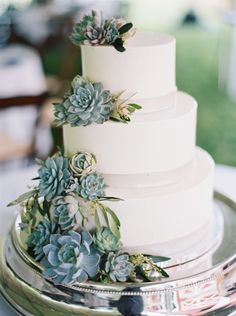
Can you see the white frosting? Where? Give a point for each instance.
(154, 212)
(152, 163)
(147, 67)
(153, 141)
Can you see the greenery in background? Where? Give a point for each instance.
(197, 74)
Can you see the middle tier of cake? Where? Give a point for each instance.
(160, 137)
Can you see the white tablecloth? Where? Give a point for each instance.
(14, 183)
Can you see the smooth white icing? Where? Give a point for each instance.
(152, 142)
(147, 67)
(156, 214)
(152, 162)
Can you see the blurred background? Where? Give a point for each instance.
(37, 60)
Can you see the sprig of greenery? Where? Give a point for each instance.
(105, 217)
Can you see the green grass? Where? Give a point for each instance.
(197, 74)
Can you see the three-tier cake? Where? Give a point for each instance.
(130, 190)
(152, 163)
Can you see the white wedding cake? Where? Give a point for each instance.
(152, 163)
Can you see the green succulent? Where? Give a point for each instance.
(64, 210)
(82, 164)
(86, 103)
(70, 258)
(105, 241)
(91, 186)
(54, 177)
(118, 267)
(40, 237)
(95, 31)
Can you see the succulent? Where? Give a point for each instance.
(70, 258)
(118, 267)
(86, 103)
(110, 32)
(82, 163)
(64, 209)
(61, 113)
(105, 241)
(40, 237)
(94, 30)
(54, 177)
(91, 186)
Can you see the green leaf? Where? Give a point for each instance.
(113, 222)
(163, 273)
(157, 259)
(118, 44)
(97, 219)
(110, 198)
(41, 210)
(135, 106)
(125, 28)
(139, 270)
(39, 162)
(22, 198)
(46, 208)
(100, 217)
(61, 150)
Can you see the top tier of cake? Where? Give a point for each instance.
(160, 136)
(146, 68)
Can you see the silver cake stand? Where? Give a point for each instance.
(212, 291)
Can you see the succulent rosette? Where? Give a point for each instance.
(86, 103)
(91, 186)
(118, 267)
(70, 258)
(82, 164)
(64, 210)
(94, 30)
(105, 241)
(40, 237)
(54, 177)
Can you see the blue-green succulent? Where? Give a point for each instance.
(91, 186)
(105, 241)
(82, 163)
(70, 258)
(54, 177)
(64, 210)
(61, 113)
(40, 237)
(118, 267)
(95, 31)
(86, 103)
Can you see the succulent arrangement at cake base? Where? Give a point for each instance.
(72, 233)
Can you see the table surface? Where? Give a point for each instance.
(14, 183)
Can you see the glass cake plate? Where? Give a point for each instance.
(203, 283)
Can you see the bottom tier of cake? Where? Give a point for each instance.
(161, 209)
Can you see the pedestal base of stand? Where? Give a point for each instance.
(210, 292)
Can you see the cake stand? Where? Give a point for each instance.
(210, 291)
